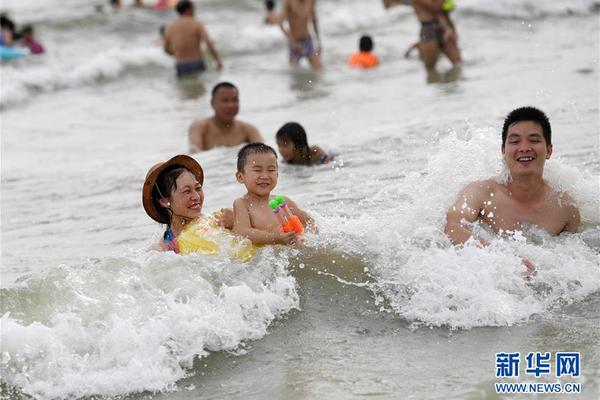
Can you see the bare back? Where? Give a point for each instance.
(425, 9)
(299, 13)
(206, 134)
(183, 38)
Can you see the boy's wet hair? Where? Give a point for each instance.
(270, 4)
(220, 85)
(252, 148)
(365, 43)
(528, 114)
(183, 6)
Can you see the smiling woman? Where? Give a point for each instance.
(173, 195)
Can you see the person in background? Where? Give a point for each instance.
(29, 41)
(365, 58)
(299, 14)
(294, 149)
(271, 18)
(183, 39)
(222, 129)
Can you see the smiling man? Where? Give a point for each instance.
(222, 129)
(525, 198)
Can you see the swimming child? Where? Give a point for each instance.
(29, 41)
(257, 169)
(294, 148)
(365, 57)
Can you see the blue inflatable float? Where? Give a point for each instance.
(8, 53)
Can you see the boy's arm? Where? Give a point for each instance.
(242, 226)
(304, 217)
(466, 208)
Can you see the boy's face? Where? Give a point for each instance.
(260, 173)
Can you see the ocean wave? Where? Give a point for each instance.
(398, 232)
(527, 8)
(21, 83)
(123, 325)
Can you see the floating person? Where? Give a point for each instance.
(365, 58)
(253, 217)
(29, 41)
(222, 129)
(173, 195)
(298, 14)
(525, 198)
(294, 149)
(183, 39)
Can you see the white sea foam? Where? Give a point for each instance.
(123, 325)
(399, 234)
(20, 82)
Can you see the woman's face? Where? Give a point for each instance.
(286, 149)
(187, 199)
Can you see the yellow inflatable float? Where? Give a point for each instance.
(206, 237)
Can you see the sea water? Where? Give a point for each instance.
(378, 304)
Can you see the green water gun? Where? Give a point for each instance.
(289, 222)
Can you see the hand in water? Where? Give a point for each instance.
(287, 238)
(225, 218)
(531, 270)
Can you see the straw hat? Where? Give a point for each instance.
(181, 161)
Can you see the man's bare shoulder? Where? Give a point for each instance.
(245, 126)
(200, 124)
(483, 187)
(565, 199)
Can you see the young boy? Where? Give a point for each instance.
(365, 57)
(257, 170)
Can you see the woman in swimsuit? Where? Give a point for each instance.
(294, 148)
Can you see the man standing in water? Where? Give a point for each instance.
(298, 14)
(183, 38)
(525, 198)
(222, 129)
(437, 34)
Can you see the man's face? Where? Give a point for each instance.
(226, 103)
(525, 150)
(260, 173)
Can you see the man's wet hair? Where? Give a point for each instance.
(528, 114)
(220, 85)
(183, 6)
(270, 4)
(365, 43)
(252, 148)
